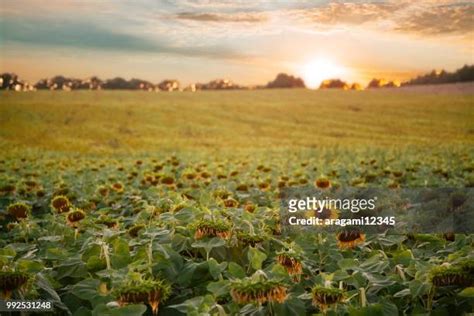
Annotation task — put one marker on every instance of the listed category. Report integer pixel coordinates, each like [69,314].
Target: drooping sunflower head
[350,237]
[291,261]
[19,210]
[467,265]
[75,216]
[260,291]
[322,183]
[248,239]
[212,228]
[60,204]
[12,281]
[148,291]
[450,276]
[323,297]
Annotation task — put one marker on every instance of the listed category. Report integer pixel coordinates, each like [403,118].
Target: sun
[318,70]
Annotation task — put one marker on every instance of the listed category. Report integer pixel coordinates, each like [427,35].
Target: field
[131,203]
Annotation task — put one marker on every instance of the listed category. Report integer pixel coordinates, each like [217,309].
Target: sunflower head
[323,297]
[325,213]
[103,190]
[230,202]
[12,281]
[117,187]
[212,228]
[249,207]
[167,180]
[322,183]
[60,204]
[243,187]
[7,189]
[19,210]
[248,239]
[291,261]
[450,276]
[108,221]
[349,238]
[75,216]
[467,265]
[150,291]
[260,291]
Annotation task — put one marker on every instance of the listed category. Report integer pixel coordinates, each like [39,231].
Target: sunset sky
[248,42]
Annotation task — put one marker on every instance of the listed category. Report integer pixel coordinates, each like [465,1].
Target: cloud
[89,36]
[350,13]
[244,17]
[443,19]
[429,17]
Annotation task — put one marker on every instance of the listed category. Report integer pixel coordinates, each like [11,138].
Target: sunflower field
[111,225]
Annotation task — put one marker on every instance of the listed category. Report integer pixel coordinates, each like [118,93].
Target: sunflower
[322,183]
[103,190]
[167,180]
[19,210]
[230,202]
[249,207]
[292,263]
[325,213]
[349,238]
[212,228]
[117,187]
[7,189]
[242,187]
[12,281]
[60,204]
[260,291]
[249,239]
[151,292]
[450,276]
[75,216]
[323,297]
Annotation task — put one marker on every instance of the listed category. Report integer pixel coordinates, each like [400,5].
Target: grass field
[140,121]
[131,203]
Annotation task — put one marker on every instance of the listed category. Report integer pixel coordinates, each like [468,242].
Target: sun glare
[316,71]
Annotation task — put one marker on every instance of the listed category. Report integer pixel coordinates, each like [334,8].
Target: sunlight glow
[318,70]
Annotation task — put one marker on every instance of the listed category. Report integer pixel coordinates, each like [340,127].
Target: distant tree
[8,81]
[464,74]
[117,84]
[283,80]
[334,84]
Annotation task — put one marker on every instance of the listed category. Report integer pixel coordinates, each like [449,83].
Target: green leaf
[291,306]
[209,244]
[348,264]
[29,266]
[256,258]
[128,310]
[215,268]
[86,289]
[120,257]
[219,288]
[236,270]
[402,293]
[467,292]
[418,288]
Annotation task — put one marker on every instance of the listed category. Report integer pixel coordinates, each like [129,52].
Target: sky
[247,41]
